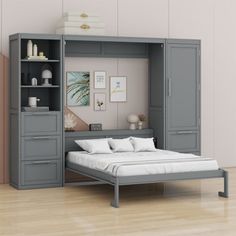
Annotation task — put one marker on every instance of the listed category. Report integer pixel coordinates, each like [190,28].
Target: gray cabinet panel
[40,148]
[183,141]
[41,172]
[80,48]
[125,49]
[182,83]
[40,123]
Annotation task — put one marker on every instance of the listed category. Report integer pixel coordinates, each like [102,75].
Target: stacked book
[80,23]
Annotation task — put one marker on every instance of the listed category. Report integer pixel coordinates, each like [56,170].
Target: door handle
[40,138]
[184,132]
[41,162]
[169,87]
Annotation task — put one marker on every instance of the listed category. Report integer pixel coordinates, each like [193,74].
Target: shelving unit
[37,136]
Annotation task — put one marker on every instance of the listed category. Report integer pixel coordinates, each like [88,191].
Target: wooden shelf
[26,60]
[40,86]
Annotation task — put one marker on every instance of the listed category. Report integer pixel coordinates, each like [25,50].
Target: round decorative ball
[132,118]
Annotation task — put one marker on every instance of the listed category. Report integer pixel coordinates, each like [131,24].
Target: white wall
[212,21]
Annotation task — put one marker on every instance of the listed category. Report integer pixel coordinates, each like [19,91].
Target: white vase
[35,51]
[29,48]
[140,125]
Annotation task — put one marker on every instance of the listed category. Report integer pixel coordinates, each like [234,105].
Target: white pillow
[121,145]
[143,144]
[94,145]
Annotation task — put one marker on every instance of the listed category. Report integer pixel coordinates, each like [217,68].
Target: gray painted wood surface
[174,101]
[182,96]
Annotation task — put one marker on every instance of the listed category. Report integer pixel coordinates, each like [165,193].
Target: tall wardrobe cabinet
[178,122]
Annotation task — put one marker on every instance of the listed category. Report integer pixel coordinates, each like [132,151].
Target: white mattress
[142,163]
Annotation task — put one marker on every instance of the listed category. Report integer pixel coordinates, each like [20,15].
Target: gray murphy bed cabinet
[37,153]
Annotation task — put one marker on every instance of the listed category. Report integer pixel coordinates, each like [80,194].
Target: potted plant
[142,118]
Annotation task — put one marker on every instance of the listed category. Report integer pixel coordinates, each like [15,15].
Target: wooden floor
[180,208]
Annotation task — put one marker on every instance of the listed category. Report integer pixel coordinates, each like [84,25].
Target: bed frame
[118,181]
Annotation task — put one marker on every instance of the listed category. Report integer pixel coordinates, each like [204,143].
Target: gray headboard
[70,145]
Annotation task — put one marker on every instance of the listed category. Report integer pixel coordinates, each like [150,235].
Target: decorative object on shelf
[81,125]
[95,127]
[32,52]
[33,101]
[29,48]
[80,23]
[34,82]
[70,122]
[35,109]
[99,79]
[132,119]
[78,88]
[35,50]
[118,89]
[46,76]
[99,101]
[142,119]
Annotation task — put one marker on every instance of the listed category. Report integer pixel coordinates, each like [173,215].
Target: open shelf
[46,61]
[40,86]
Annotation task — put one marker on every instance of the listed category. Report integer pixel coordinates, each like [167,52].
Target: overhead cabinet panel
[81,48]
[182,84]
[125,49]
[105,49]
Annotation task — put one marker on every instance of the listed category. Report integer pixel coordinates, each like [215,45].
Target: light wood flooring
[176,208]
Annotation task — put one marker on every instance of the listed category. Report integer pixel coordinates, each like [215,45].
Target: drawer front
[41,123]
[41,172]
[183,141]
[41,148]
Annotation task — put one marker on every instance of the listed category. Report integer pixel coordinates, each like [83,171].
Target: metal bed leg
[115,201]
[225,194]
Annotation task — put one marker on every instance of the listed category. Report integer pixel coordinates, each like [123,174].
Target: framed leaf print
[78,88]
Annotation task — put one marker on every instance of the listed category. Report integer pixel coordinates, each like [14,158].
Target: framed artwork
[99,101]
[99,79]
[118,89]
[78,88]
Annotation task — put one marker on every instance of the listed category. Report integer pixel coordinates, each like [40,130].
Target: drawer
[41,123]
[41,148]
[41,172]
[183,141]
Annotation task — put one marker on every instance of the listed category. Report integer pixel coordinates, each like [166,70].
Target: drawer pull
[184,132]
[40,138]
[39,114]
[84,15]
[41,162]
[85,27]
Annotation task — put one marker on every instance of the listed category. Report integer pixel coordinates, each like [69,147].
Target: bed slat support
[225,194]
[116,202]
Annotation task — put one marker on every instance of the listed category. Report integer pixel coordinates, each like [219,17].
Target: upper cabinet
[143,18]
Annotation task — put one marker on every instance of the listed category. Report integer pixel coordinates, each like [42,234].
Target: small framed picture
[99,101]
[99,79]
[118,88]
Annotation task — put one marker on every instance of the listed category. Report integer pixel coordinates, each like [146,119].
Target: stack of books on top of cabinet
[80,23]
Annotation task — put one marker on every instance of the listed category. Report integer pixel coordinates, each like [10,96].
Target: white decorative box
[85,17]
[80,31]
[80,24]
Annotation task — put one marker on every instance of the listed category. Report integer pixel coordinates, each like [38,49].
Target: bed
[131,168]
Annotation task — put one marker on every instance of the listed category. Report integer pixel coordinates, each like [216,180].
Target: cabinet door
[183,84]
[182,89]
